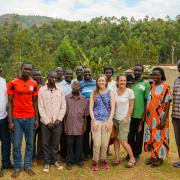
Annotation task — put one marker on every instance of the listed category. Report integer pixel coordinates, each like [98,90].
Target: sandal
[115,162]
[15,173]
[176,164]
[131,164]
[30,172]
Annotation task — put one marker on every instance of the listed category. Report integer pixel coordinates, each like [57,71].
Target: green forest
[119,42]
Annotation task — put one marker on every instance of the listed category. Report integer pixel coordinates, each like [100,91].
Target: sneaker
[69,166]
[104,164]
[95,166]
[80,164]
[46,168]
[58,165]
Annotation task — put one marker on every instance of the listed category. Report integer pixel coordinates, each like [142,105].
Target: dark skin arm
[163,120]
[84,127]
[10,123]
[144,117]
[36,125]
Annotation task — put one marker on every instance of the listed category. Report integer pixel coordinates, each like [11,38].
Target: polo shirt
[3,98]
[141,89]
[87,88]
[22,92]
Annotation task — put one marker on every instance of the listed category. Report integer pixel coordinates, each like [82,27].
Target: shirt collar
[75,97]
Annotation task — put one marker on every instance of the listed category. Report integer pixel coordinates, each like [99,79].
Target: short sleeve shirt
[112,85]
[87,88]
[3,98]
[141,89]
[75,112]
[23,92]
[122,104]
[66,87]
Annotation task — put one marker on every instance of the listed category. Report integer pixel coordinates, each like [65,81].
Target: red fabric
[22,92]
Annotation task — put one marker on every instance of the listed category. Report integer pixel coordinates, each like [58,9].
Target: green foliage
[65,55]
[99,42]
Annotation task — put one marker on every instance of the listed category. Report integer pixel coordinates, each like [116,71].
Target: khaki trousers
[100,142]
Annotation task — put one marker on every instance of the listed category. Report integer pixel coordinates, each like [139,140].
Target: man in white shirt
[4,132]
[108,71]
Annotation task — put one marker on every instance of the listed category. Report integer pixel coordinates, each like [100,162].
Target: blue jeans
[26,126]
[5,142]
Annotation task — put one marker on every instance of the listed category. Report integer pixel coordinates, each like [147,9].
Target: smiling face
[108,73]
[101,82]
[68,75]
[138,71]
[156,76]
[36,75]
[121,82]
[87,74]
[59,72]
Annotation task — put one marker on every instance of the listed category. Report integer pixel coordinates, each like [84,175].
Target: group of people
[75,118]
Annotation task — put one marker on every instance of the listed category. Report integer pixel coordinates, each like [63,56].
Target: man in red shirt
[22,117]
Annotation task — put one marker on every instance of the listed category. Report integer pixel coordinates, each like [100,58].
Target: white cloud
[87,9]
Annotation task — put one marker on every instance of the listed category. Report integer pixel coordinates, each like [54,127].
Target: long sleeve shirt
[51,104]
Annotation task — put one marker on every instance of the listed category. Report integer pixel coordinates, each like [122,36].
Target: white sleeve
[131,94]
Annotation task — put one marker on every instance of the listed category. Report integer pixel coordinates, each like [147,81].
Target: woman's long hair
[96,91]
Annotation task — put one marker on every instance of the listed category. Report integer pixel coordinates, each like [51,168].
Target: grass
[139,172]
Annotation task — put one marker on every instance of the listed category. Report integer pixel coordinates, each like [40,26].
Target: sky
[88,9]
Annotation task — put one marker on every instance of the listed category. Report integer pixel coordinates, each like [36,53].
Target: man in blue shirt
[87,86]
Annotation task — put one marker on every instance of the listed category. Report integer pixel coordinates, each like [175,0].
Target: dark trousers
[50,143]
[5,142]
[87,146]
[63,144]
[135,138]
[37,146]
[74,148]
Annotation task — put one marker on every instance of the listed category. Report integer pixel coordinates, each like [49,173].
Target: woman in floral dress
[156,136]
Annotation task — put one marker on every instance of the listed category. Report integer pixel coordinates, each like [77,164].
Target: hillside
[25,21]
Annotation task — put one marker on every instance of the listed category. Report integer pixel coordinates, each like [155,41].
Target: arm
[41,108]
[10,123]
[62,108]
[93,120]
[131,106]
[36,125]
[112,107]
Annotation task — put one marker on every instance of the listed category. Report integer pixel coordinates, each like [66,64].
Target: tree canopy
[99,42]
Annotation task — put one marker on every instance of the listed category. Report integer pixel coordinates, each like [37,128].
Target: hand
[95,125]
[126,120]
[108,125]
[56,123]
[36,124]
[50,125]
[11,127]
[162,125]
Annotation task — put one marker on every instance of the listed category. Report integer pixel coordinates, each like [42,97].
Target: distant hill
[25,21]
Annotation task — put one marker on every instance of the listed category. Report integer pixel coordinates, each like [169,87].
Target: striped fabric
[176,99]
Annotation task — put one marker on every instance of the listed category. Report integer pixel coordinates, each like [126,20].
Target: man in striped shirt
[176,112]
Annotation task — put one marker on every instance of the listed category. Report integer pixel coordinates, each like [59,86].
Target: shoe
[95,166]
[58,165]
[176,164]
[157,163]
[130,164]
[10,166]
[46,168]
[69,166]
[104,164]
[149,161]
[80,164]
